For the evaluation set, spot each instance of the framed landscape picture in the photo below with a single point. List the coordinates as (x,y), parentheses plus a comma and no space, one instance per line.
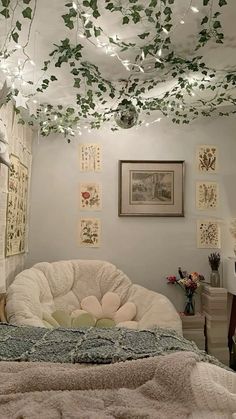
(151,188)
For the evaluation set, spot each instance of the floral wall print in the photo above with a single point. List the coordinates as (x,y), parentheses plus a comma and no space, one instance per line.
(90,196)
(90,157)
(16,208)
(90,232)
(207,158)
(208,234)
(207,195)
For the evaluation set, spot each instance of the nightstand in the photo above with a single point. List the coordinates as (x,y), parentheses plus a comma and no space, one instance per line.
(194,329)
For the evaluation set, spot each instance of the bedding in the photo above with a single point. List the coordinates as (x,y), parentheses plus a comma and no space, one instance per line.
(174,386)
(90,345)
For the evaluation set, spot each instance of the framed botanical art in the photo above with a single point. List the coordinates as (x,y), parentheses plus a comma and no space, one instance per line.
(208,234)
(207,195)
(207,159)
(151,188)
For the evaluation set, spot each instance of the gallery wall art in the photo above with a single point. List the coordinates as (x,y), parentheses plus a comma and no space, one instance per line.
(207,158)
(90,232)
(90,196)
(16,207)
(90,158)
(151,188)
(207,195)
(208,234)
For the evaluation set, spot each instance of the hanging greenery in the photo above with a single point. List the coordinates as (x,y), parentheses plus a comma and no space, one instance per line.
(96,96)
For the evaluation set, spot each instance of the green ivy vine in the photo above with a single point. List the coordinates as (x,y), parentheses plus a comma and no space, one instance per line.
(97,97)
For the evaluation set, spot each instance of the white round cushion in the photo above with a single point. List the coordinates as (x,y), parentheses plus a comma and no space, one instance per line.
(62,285)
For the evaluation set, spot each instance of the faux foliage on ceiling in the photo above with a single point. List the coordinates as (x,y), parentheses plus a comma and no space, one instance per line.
(156,79)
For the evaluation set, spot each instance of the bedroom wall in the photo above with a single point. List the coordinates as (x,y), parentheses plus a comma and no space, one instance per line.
(20,141)
(146,248)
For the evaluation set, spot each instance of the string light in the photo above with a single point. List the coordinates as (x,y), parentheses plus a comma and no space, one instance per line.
(165,31)
(74,5)
(194,9)
(32,63)
(159,52)
(182,22)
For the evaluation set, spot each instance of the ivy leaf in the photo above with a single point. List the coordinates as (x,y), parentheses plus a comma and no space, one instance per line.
(109,6)
(153,3)
(216,24)
(27,13)
(144,35)
(222,3)
(205,2)
(86,3)
(96,14)
(18,25)
(26,1)
(15,37)
(125,20)
(77,83)
(97,32)
(53,78)
(204,20)
(5,3)
(5,13)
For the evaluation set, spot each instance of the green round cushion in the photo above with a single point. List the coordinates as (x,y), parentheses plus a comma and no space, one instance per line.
(83,320)
(105,323)
(62,317)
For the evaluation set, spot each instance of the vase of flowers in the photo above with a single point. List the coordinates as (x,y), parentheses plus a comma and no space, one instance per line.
(190,283)
(214,262)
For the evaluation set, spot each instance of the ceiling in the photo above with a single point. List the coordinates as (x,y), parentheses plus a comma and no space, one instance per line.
(48,28)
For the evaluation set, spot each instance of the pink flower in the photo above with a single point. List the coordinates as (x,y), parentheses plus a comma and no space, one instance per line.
(171,279)
(85,195)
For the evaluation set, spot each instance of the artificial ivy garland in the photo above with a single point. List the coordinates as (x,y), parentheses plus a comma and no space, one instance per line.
(97,97)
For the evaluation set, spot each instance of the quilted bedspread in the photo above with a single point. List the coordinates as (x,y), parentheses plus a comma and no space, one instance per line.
(90,345)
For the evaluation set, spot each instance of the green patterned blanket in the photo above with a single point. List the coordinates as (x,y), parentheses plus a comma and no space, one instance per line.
(90,345)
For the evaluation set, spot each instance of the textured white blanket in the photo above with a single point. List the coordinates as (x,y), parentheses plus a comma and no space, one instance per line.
(175,386)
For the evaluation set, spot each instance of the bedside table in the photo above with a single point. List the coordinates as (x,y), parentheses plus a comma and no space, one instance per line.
(194,329)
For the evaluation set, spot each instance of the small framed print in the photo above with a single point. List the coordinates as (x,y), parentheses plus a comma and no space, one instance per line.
(208,234)
(207,195)
(207,158)
(151,188)
(90,196)
(90,157)
(90,232)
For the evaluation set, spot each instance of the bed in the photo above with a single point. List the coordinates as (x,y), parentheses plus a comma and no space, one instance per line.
(95,373)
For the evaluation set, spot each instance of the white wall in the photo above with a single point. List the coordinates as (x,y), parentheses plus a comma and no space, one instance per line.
(146,248)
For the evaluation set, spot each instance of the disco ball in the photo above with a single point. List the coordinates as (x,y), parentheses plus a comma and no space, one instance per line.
(126,115)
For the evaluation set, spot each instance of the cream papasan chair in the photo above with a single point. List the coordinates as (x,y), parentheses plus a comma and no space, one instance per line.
(62,285)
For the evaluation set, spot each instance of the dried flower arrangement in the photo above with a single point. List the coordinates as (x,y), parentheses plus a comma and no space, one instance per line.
(214,261)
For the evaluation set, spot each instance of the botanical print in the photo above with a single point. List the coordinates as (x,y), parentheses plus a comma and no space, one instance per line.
(90,232)
(207,158)
(151,187)
(207,195)
(16,208)
(90,196)
(90,157)
(208,234)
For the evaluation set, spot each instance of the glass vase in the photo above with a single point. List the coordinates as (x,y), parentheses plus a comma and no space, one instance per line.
(215,278)
(189,309)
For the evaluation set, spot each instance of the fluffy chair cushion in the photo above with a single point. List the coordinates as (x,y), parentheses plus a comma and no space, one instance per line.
(84,319)
(62,318)
(62,285)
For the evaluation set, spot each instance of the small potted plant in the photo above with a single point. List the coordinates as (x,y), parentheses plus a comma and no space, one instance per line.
(214,262)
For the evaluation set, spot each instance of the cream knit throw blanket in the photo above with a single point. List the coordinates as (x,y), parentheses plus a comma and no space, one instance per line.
(175,386)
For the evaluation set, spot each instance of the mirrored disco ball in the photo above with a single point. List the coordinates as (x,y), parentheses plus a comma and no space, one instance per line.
(126,115)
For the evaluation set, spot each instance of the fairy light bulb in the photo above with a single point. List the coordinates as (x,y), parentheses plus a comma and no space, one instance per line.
(74,5)
(143,55)
(141,69)
(159,52)
(165,31)
(194,9)
(182,22)
(32,63)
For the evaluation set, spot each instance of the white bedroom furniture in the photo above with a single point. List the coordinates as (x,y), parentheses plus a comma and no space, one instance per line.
(47,287)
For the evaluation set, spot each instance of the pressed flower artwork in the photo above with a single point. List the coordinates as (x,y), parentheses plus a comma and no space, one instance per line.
(90,196)
(90,157)
(208,234)
(207,195)
(90,232)
(207,158)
